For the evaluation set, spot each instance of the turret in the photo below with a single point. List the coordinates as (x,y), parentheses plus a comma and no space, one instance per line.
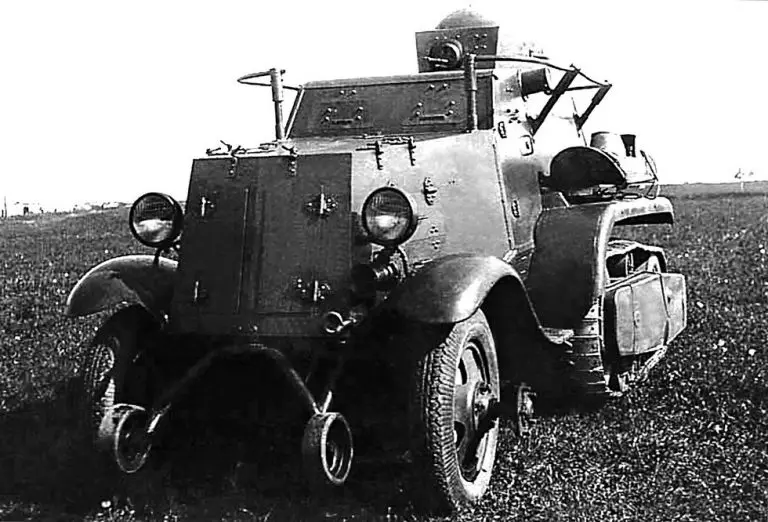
(466,32)
(458,34)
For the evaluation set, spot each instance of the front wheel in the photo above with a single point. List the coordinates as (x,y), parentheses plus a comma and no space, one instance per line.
(454,431)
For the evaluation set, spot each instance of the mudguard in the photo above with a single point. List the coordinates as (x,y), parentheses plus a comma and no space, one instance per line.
(567,270)
(135,279)
(451,288)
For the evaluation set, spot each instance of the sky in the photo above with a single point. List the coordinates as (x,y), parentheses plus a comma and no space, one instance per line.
(107,100)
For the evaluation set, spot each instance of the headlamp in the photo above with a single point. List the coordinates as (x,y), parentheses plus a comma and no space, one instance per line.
(155,220)
(389,216)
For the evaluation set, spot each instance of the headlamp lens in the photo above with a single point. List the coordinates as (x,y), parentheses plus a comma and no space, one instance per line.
(389,217)
(156,219)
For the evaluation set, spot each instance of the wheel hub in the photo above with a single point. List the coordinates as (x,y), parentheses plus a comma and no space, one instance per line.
(474,416)
(482,401)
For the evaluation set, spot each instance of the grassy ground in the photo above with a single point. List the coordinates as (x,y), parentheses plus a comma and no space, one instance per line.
(696,190)
(691,444)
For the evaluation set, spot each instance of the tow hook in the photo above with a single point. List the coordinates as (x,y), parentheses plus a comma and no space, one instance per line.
(334,323)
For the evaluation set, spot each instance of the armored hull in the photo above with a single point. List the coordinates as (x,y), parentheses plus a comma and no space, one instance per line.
(447,235)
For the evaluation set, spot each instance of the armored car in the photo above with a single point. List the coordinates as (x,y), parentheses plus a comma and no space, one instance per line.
(421,256)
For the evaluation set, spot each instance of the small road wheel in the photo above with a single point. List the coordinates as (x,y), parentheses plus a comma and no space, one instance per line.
(453,426)
(130,443)
(523,416)
(327,450)
(116,369)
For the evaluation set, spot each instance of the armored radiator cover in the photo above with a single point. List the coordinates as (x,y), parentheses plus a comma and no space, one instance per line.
(258,255)
(644,313)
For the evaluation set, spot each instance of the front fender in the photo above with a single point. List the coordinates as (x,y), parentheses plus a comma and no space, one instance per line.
(135,279)
(450,289)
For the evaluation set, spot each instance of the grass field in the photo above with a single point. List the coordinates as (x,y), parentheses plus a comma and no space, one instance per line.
(691,444)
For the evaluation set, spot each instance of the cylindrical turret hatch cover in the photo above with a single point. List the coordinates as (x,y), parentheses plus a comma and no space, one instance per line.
(608,142)
(535,81)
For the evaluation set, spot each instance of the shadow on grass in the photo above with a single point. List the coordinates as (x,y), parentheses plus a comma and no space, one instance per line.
(213,471)
(40,457)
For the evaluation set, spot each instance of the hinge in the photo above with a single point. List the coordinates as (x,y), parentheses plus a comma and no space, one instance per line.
(206,206)
(322,205)
(314,291)
(293,157)
(430,191)
(411,149)
(234,161)
(199,294)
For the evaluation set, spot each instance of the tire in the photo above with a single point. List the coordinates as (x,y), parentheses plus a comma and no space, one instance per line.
(456,371)
(115,369)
